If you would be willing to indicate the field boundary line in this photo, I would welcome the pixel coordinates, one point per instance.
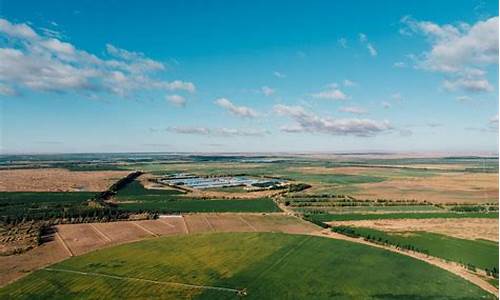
(209, 224)
(197, 286)
(248, 223)
(145, 229)
(65, 246)
(166, 223)
(279, 260)
(107, 238)
(185, 224)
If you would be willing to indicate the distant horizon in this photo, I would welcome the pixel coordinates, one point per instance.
(429, 154)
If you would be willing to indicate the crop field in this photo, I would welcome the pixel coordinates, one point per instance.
(76, 239)
(134, 197)
(482, 254)
(39, 205)
(261, 265)
(430, 215)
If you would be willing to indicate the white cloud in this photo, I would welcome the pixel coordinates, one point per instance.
(343, 42)
(308, 122)
(386, 104)
(220, 132)
(462, 51)
(267, 91)
(463, 98)
(332, 93)
(494, 119)
(397, 97)
(189, 130)
(349, 83)
(371, 49)
(29, 60)
(176, 100)
(279, 75)
(353, 110)
(468, 84)
(399, 64)
(6, 90)
(241, 111)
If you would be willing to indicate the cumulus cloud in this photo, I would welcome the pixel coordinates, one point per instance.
(332, 93)
(40, 62)
(241, 111)
(176, 100)
(353, 110)
(461, 52)
(220, 132)
(267, 91)
(468, 84)
(364, 40)
(308, 122)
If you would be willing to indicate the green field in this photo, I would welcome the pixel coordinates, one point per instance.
(265, 265)
(430, 215)
(41, 205)
(479, 253)
(135, 198)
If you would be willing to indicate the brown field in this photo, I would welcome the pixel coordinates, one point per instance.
(80, 238)
(234, 223)
(443, 188)
(77, 239)
(16, 266)
(57, 180)
(461, 228)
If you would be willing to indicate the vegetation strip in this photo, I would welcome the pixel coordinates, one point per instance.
(207, 287)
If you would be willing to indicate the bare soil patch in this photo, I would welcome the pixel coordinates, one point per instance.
(162, 226)
(16, 266)
(443, 188)
(80, 238)
(121, 232)
(228, 223)
(466, 228)
(57, 180)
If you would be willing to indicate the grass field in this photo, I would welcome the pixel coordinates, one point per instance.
(480, 253)
(265, 265)
(134, 197)
(429, 215)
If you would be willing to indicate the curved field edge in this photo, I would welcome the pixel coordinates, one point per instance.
(263, 265)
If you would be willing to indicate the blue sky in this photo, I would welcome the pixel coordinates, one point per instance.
(229, 76)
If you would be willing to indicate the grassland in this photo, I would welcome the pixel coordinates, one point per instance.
(264, 265)
(135, 198)
(479, 253)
